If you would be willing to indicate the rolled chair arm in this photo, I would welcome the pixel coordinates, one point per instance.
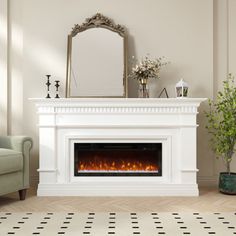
(17, 143)
(21, 144)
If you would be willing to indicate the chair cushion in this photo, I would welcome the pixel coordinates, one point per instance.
(10, 161)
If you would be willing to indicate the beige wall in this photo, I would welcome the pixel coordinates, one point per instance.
(3, 66)
(180, 30)
(232, 36)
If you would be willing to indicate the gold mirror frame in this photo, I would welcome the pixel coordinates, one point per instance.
(96, 21)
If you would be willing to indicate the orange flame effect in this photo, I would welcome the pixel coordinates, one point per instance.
(116, 166)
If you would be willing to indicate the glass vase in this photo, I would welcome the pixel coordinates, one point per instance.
(143, 90)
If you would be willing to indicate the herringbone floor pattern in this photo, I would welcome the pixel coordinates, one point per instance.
(210, 200)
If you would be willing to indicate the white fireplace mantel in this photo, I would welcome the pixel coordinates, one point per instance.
(63, 122)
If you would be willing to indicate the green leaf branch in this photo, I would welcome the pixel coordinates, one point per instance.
(222, 122)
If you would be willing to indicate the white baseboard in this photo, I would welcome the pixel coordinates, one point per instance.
(207, 180)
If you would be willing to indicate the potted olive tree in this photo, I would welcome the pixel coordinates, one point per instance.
(222, 128)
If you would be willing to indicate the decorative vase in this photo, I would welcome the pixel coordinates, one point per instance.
(143, 90)
(227, 183)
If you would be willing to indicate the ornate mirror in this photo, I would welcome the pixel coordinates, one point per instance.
(96, 59)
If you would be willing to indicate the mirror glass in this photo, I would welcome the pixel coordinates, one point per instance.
(96, 64)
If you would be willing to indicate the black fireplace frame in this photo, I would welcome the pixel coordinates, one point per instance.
(121, 173)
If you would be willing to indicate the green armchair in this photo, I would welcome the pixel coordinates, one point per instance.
(14, 164)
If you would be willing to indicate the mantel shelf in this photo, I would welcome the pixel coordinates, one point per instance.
(119, 100)
(118, 105)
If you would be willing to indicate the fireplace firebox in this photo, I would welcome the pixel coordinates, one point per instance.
(118, 159)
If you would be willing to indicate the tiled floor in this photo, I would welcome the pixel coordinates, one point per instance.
(117, 223)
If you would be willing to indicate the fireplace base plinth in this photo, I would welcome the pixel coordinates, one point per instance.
(111, 189)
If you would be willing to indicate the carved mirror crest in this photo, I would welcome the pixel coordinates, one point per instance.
(96, 59)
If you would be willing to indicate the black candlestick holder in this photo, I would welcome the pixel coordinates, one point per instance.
(57, 87)
(48, 85)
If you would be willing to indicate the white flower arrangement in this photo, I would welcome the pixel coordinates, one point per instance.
(147, 68)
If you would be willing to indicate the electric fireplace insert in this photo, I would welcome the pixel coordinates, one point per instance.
(118, 159)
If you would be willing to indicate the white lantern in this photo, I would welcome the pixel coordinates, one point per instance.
(181, 89)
